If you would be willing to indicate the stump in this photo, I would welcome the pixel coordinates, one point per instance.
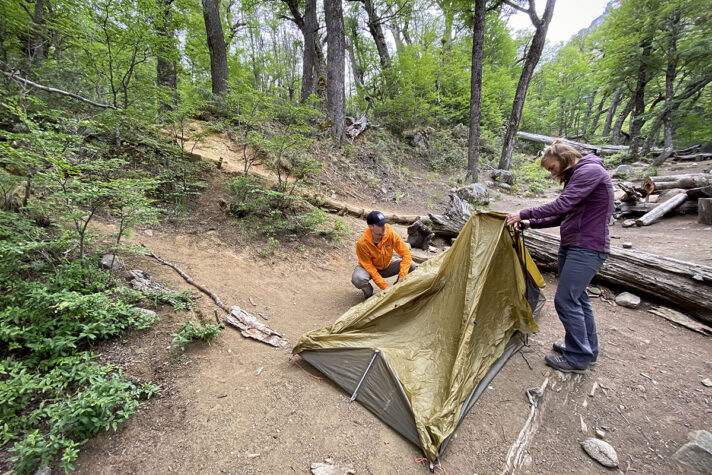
(419, 235)
(704, 210)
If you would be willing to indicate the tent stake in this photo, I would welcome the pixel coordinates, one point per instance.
(365, 373)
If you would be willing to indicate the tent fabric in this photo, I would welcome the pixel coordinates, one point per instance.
(439, 332)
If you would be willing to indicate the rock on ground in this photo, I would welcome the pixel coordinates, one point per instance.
(602, 452)
(696, 454)
(329, 468)
(626, 299)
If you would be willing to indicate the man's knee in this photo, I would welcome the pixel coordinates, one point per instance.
(412, 267)
(360, 277)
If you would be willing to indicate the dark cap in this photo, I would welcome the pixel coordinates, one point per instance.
(377, 218)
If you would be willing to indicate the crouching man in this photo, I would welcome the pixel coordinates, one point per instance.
(375, 251)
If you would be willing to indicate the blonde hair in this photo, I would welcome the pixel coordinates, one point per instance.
(566, 155)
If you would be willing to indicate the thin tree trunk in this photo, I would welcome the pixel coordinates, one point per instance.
(611, 112)
(376, 30)
(335, 88)
(478, 40)
(166, 67)
(599, 111)
(616, 132)
(587, 114)
(533, 55)
(216, 46)
(639, 98)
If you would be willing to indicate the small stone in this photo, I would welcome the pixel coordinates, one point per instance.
(593, 292)
(696, 454)
(600, 433)
(112, 262)
(641, 388)
(148, 232)
(602, 452)
(44, 470)
(329, 468)
(623, 171)
(628, 223)
(627, 245)
(149, 313)
(626, 299)
(707, 382)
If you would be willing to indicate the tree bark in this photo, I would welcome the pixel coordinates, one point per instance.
(611, 112)
(478, 40)
(216, 46)
(532, 58)
(616, 132)
(597, 117)
(166, 65)
(639, 97)
(375, 27)
(587, 114)
(704, 214)
(335, 87)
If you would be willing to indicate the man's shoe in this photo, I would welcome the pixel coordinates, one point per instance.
(558, 347)
(558, 362)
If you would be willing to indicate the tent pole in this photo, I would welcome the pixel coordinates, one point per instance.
(365, 373)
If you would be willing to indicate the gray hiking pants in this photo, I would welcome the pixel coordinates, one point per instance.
(362, 279)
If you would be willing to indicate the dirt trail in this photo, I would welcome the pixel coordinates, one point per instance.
(220, 416)
(239, 406)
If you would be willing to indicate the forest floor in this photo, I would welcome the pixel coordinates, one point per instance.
(239, 406)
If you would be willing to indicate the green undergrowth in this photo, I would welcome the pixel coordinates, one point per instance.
(53, 395)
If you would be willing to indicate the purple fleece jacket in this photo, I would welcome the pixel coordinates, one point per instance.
(583, 209)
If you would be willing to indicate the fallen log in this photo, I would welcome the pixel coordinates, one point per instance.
(515, 456)
(686, 285)
(694, 180)
(661, 209)
(247, 323)
(701, 192)
(626, 209)
(582, 147)
(344, 208)
(693, 157)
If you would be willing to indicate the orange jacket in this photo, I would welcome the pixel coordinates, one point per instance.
(374, 257)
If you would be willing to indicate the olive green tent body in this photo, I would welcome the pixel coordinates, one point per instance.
(421, 352)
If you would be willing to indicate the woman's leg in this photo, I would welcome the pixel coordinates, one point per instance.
(577, 266)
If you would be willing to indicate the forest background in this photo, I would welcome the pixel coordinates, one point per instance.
(97, 95)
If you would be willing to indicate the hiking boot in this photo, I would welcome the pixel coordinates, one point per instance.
(560, 363)
(558, 347)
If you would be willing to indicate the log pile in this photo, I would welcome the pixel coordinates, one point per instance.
(658, 196)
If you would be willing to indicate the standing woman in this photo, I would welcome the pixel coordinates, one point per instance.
(583, 210)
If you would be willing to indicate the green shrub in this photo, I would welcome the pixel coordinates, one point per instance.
(190, 331)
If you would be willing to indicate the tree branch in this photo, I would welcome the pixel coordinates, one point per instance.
(57, 91)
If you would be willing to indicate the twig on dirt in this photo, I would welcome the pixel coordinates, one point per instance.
(593, 389)
(624, 417)
(526, 360)
(516, 453)
(248, 325)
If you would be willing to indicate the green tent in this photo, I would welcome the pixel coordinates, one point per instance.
(420, 353)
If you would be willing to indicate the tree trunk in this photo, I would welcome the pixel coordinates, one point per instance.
(616, 132)
(376, 29)
(335, 88)
(532, 58)
(704, 214)
(216, 46)
(639, 98)
(166, 67)
(611, 112)
(597, 117)
(478, 39)
(311, 40)
(587, 114)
